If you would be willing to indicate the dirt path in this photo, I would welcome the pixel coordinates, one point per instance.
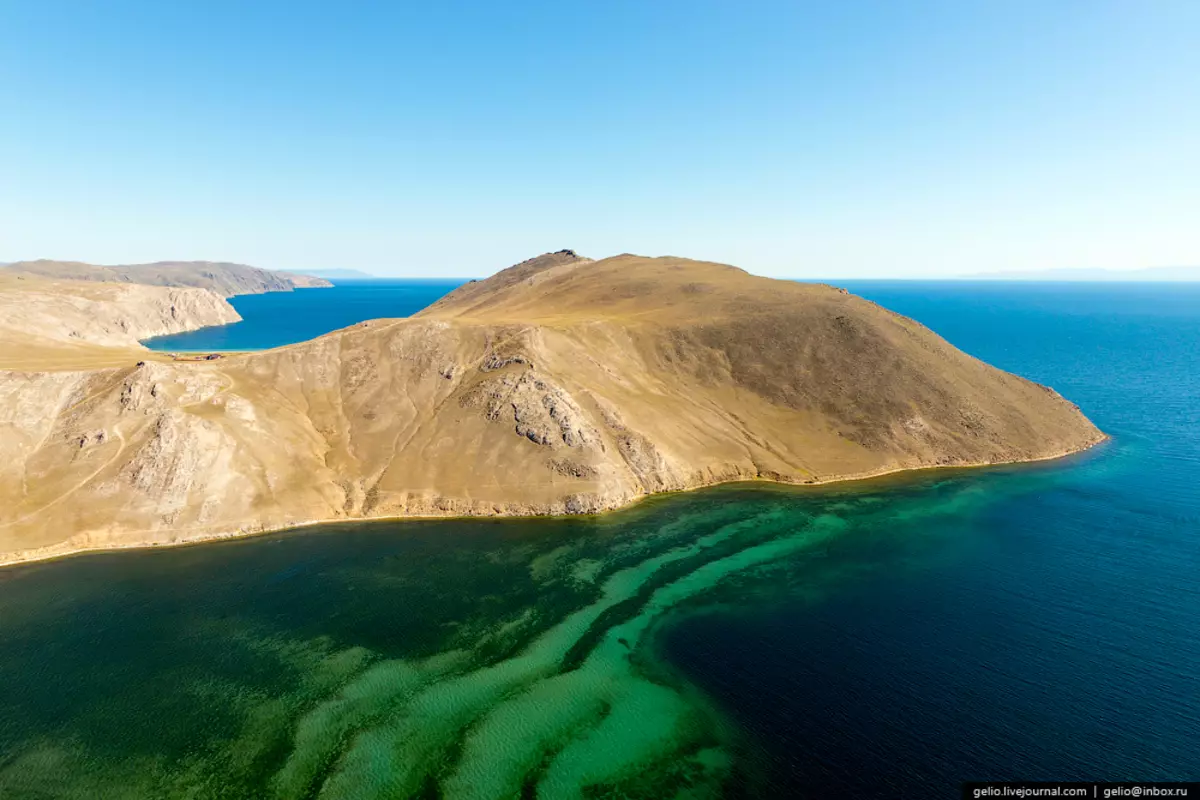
(30, 515)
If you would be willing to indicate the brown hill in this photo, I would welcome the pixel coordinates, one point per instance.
(59, 324)
(560, 385)
(224, 278)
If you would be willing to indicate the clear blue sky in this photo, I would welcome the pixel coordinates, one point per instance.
(829, 139)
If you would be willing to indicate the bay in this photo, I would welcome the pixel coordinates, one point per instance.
(881, 639)
(274, 319)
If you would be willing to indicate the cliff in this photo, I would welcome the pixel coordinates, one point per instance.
(561, 385)
(53, 323)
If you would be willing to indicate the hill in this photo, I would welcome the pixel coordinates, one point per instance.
(560, 385)
(65, 324)
(225, 279)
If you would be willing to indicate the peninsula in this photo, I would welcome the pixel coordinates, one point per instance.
(561, 385)
(221, 277)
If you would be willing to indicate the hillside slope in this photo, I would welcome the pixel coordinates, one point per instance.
(561, 385)
(56, 324)
(224, 278)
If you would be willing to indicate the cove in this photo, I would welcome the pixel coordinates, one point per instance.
(275, 319)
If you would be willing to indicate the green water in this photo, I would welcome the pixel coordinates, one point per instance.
(465, 659)
(881, 640)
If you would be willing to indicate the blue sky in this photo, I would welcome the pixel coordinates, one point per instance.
(802, 139)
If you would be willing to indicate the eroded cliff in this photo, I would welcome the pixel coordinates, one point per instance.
(52, 324)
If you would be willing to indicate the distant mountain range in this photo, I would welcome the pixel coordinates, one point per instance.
(335, 274)
(1169, 274)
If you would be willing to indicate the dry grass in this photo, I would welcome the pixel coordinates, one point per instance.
(561, 385)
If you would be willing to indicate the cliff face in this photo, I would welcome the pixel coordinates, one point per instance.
(224, 278)
(562, 385)
(48, 313)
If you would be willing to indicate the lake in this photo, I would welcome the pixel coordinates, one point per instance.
(278, 318)
(891, 638)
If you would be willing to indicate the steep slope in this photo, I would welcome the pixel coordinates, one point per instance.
(508, 282)
(226, 279)
(852, 368)
(561, 385)
(46, 324)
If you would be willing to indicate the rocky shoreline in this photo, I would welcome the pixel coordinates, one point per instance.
(450, 510)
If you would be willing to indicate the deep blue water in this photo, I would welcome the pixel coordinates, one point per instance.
(886, 639)
(278, 318)
(1056, 634)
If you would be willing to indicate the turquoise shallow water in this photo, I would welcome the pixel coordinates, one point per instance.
(278, 318)
(886, 639)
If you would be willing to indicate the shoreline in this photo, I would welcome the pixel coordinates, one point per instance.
(142, 342)
(64, 551)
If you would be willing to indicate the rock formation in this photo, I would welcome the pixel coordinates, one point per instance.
(105, 314)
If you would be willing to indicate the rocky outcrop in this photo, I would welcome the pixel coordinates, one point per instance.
(538, 409)
(105, 314)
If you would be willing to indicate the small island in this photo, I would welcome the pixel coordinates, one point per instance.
(561, 385)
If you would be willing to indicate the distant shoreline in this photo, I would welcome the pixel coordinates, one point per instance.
(277, 319)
